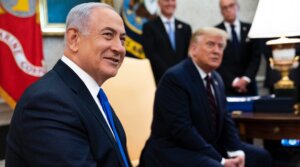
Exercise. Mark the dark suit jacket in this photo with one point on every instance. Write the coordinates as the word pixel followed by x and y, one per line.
pixel 182 129
pixel 57 123
pixel 157 45
pixel 246 64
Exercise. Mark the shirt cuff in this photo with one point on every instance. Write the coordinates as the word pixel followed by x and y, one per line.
pixel 223 161
pixel 236 153
pixel 235 81
pixel 247 79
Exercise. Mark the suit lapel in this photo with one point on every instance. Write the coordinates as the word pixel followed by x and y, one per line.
pixel 166 36
pixel 81 91
pixel 218 97
pixel 244 33
pixel 162 28
pixel 177 29
pixel 178 35
pixel 222 26
pixel 200 91
pixel 89 102
pixel 93 108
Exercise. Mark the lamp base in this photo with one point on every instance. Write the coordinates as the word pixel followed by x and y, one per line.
pixel 291 92
pixel 284 83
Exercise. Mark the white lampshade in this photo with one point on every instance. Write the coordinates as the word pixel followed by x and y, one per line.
pixel 276 18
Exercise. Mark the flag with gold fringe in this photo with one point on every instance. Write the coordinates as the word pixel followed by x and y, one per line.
pixel 21 54
pixel 135 13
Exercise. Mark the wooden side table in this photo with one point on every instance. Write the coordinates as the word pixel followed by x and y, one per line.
pixel 273 126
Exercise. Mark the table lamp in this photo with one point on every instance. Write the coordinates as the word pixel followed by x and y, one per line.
pixel 279 19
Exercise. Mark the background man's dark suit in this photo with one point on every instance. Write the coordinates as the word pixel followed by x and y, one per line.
pixel 246 64
pixel 182 129
pixel 157 45
pixel 65 110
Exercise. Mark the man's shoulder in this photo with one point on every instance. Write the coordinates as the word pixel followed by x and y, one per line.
pixel 216 75
pixel 154 21
pixel 45 84
pixel 221 26
pixel 180 68
pixel 245 24
pixel 40 89
pixel 177 74
pixel 245 27
pixel 182 22
pixel 152 24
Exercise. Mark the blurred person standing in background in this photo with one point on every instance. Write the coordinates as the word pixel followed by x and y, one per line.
pixel 241 56
pixel 165 39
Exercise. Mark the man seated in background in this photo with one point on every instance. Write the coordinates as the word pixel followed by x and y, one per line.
pixel 190 125
pixel 241 56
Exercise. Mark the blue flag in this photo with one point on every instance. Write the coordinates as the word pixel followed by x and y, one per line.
pixel 135 13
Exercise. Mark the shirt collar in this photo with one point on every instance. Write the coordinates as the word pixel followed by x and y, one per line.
pixel 236 24
pixel 164 19
pixel 201 72
pixel 237 27
pixel 89 82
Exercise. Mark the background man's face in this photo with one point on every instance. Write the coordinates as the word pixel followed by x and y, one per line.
pixel 167 7
pixel 229 9
pixel 207 52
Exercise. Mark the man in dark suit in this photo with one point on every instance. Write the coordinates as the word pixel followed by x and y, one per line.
pixel 190 125
pixel 64 119
pixel 165 39
pixel 241 56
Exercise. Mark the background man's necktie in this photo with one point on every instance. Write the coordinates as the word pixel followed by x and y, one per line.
pixel 171 34
pixel 211 99
pixel 107 110
pixel 235 42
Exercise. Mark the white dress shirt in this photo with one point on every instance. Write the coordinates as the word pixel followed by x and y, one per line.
pixel 165 20
pixel 237 28
pixel 203 75
pixel 89 82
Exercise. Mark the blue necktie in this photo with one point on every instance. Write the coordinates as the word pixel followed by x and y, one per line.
pixel 171 34
pixel 235 42
pixel 107 110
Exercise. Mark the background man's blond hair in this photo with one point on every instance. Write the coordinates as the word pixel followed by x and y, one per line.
pixel 212 31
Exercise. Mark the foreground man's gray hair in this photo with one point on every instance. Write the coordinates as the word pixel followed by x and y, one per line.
pixel 78 16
